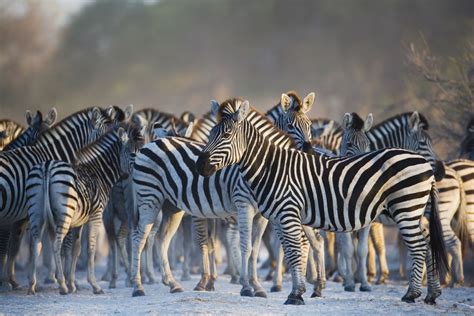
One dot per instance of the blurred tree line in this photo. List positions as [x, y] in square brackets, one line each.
[176, 55]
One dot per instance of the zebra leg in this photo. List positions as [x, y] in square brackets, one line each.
[271, 262]
[18, 231]
[36, 235]
[259, 225]
[402, 250]
[76, 252]
[5, 233]
[187, 226]
[417, 246]
[169, 226]
[234, 256]
[94, 225]
[150, 243]
[57, 244]
[290, 237]
[332, 264]
[201, 228]
[434, 287]
[453, 245]
[317, 246]
[344, 262]
[212, 256]
[371, 265]
[122, 238]
[278, 275]
[362, 249]
[112, 262]
[245, 220]
[148, 214]
[378, 238]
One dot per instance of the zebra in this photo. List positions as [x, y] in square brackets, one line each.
[290, 116]
[467, 144]
[9, 130]
[36, 125]
[465, 169]
[338, 194]
[120, 204]
[59, 142]
[164, 170]
[63, 196]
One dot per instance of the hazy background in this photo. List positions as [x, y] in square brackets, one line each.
[177, 55]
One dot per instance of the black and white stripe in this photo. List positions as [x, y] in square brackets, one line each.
[310, 188]
[63, 196]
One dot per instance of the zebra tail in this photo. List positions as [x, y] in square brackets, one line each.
[48, 213]
[438, 248]
[460, 227]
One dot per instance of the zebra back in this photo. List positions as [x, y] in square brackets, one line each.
[9, 130]
[407, 131]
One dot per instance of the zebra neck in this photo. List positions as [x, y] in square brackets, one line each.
[25, 139]
[391, 133]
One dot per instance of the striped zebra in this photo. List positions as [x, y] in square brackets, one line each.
[164, 171]
[36, 125]
[9, 130]
[63, 196]
[465, 170]
[290, 116]
[338, 194]
[327, 134]
[120, 204]
[59, 142]
[467, 144]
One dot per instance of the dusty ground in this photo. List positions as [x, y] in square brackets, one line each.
[384, 299]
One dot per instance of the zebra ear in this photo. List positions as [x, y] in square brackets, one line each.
[189, 130]
[308, 102]
[285, 102]
[128, 111]
[214, 107]
[347, 121]
[188, 117]
[368, 122]
[414, 121]
[122, 134]
[28, 117]
[51, 117]
[243, 111]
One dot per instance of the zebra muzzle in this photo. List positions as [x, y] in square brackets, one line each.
[203, 167]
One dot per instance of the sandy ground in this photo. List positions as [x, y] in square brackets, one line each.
[384, 299]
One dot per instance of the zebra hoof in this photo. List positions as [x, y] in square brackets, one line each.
[407, 299]
[176, 290]
[234, 280]
[63, 291]
[276, 288]
[199, 288]
[365, 288]
[246, 292]
[210, 288]
[430, 300]
[98, 291]
[260, 293]
[349, 288]
[138, 292]
[294, 300]
[15, 285]
[31, 291]
[316, 293]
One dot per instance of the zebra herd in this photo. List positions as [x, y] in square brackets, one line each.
[145, 174]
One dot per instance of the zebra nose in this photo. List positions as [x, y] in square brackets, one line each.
[202, 165]
[307, 148]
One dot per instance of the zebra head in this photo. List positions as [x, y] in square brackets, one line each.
[419, 141]
[101, 121]
[354, 137]
[294, 121]
[227, 142]
[37, 124]
[131, 143]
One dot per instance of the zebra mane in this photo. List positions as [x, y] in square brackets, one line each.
[229, 107]
[404, 117]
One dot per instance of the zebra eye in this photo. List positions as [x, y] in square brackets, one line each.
[290, 127]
